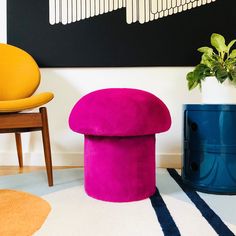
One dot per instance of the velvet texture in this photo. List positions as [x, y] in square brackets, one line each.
[119, 127]
[119, 112]
[120, 169]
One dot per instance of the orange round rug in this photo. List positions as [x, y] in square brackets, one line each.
[21, 213]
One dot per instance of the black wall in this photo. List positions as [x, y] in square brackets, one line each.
[107, 40]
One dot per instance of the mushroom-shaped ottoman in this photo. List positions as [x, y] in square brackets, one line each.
[119, 125]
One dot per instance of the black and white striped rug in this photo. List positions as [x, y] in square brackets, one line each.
[173, 210]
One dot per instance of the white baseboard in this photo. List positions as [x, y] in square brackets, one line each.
[37, 159]
[170, 160]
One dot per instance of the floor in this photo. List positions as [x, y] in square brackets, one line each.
[193, 213]
[13, 170]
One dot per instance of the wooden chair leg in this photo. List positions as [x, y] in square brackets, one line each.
[19, 149]
[46, 145]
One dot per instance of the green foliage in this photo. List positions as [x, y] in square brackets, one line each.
[221, 64]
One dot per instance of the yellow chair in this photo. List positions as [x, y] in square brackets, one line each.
[19, 78]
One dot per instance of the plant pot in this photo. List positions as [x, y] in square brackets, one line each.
[213, 92]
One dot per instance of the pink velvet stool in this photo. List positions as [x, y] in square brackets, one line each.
[119, 126]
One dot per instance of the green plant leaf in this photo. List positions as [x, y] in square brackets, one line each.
[207, 60]
[206, 50]
[218, 41]
[192, 83]
[221, 74]
[232, 74]
[196, 76]
[231, 44]
[233, 54]
[216, 58]
[207, 72]
[200, 72]
[230, 62]
[222, 65]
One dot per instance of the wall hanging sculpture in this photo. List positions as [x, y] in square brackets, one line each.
[68, 11]
[115, 33]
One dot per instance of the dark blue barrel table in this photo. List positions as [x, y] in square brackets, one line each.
[209, 155]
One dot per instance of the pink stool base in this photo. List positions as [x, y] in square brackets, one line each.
[120, 169]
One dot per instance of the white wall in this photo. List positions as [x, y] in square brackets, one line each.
[69, 84]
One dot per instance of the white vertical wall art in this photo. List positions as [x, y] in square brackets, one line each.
[117, 33]
[142, 11]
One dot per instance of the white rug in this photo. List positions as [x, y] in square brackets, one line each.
[172, 212]
[74, 213]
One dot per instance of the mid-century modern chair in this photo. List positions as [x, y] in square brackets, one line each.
[19, 78]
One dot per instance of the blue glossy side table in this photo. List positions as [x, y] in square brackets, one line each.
[209, 150]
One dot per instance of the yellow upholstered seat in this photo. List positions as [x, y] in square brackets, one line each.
[25, 103]
[19, 79]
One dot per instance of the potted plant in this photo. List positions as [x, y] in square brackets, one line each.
[216, 73]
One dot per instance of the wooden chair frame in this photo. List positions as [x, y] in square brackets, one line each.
[27, 122]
